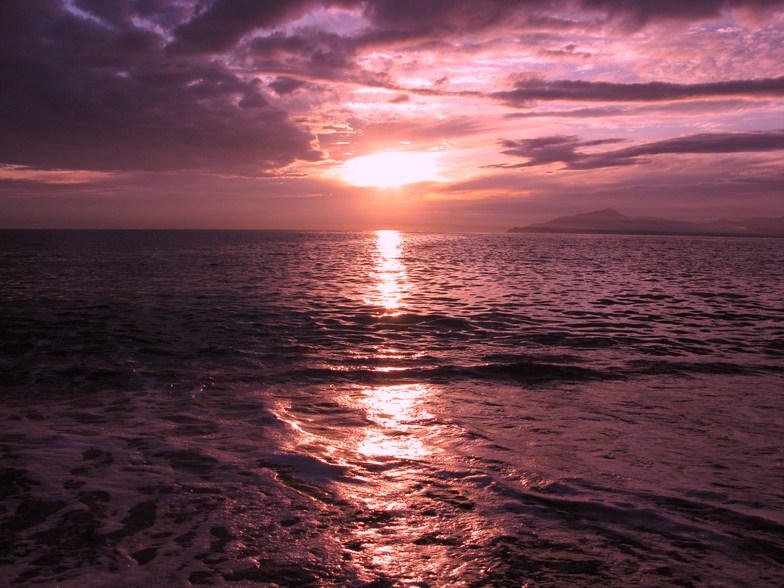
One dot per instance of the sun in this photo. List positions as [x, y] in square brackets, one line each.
[391, 169]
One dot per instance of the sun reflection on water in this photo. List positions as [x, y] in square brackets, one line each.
[399, 413]
[396, 408]
[399, 442]
[390, 271]
[386, 440]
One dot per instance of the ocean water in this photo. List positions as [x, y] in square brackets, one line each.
[387, 409]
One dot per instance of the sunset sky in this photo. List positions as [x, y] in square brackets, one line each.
[476, 114]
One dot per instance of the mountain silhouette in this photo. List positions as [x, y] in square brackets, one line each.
[610, 221]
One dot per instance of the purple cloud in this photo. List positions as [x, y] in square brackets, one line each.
[76, 94]
[172, 85]
[442, 15]
[566, 149]
[700, 143]
[224, 22]
[286, 85]
[635, 14]
[546, 150]
[686, 107]
[533, 89]
[469, 15]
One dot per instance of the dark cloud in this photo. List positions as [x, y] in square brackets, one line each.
[594, 112]
[532, 89]
[79, 94]
[441, 15]
[121, 12]
[219, 26]
[318, 54]
[567, 52]
[449, 16]
[700, 143]
[545, 150]
[686, 107]
[286, 85]
[566, 149]
[635, 14]
[438, 18]
[306, 51]
[314, 55]
[224, 22]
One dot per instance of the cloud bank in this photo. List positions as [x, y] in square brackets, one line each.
[566, 149]
[530, 90]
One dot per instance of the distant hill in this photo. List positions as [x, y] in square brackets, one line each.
[612, 222]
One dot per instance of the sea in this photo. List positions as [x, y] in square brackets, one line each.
[383, 409]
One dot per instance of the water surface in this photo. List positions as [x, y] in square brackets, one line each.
[387, 409]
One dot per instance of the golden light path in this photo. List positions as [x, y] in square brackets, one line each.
[396, 410]
[391, 439]
[391, 169]
[393, 408]
[389, 270]
[399, 441]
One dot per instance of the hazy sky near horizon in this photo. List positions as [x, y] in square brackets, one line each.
[260, 113]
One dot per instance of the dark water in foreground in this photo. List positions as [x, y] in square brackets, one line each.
[362, 409]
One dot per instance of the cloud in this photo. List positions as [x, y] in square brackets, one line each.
[567, 149]
[546, 150]
[533, 89]
[164, 13]
[567, 51]
[221, 24]
[441, 15]
[286, 85]
[310, 52]
[200, 84]
[82, 95]
[596, 112]
[699, 143]
[224, 22]
[635, 14]
[451, 16]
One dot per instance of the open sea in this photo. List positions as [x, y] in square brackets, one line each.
[387, 409]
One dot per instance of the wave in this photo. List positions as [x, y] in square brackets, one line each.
[527, 372]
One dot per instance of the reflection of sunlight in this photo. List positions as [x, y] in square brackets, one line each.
[390, 270]
[399, 413]
[396, 410]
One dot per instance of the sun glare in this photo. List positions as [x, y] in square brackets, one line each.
[390, 169]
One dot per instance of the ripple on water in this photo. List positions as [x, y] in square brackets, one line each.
[357, 409]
